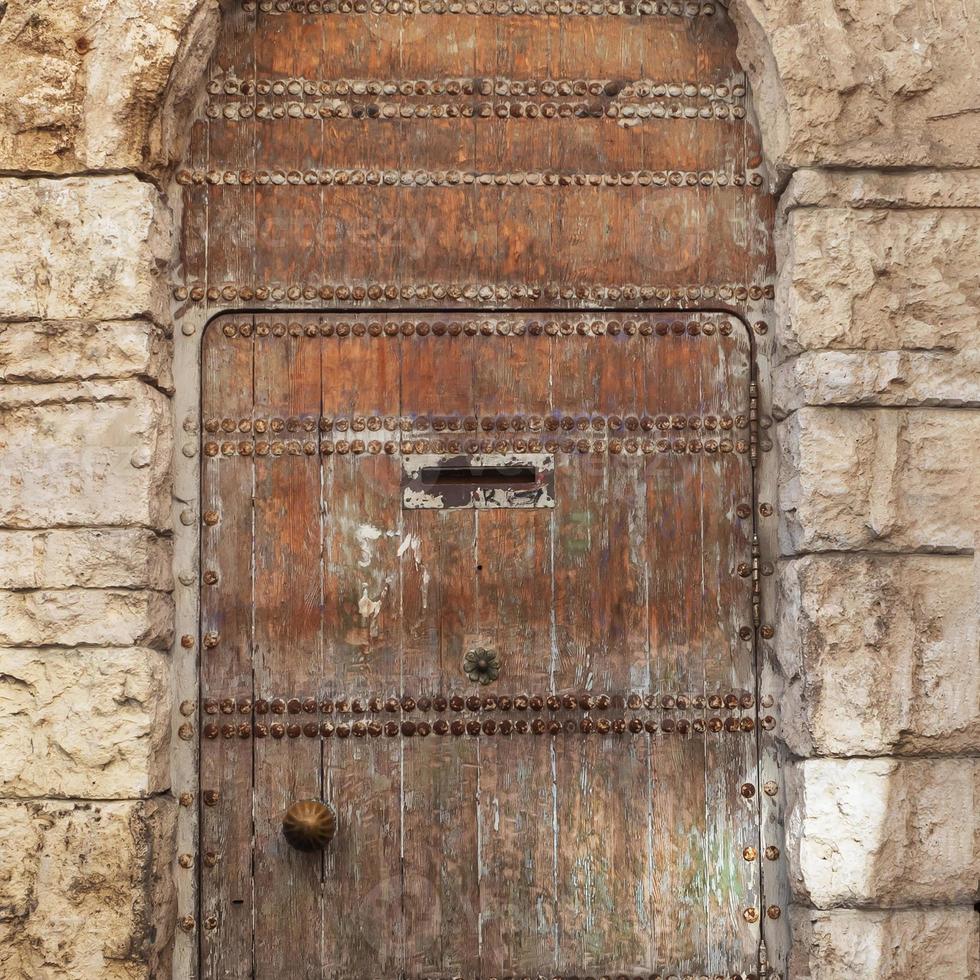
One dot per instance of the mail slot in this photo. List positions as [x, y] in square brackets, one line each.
[484, 481]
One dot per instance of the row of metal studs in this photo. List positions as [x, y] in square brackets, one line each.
[294, 447]
[362, 177]
[483, 328]
[640, 88]
[339, 109]
[538, 726]
[470, 423]
[473, 702]
[475, 292]
[499, 8]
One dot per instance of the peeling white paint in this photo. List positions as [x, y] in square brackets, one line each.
[366, 535]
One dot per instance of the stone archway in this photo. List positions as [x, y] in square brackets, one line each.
[91, 101]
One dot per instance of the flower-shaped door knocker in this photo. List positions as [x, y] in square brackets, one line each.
[481, 665]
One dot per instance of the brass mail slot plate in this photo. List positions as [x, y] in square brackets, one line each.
[485, 481]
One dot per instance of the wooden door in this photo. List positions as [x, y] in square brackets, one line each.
[478, 437]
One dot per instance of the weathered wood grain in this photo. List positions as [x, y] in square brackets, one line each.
[352, 175]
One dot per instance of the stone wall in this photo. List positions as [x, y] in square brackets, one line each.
[870, 113]
[872, 123]
[88, 95]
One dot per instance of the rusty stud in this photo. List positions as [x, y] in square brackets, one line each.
[210, 859]
[473, 703]
[770, 788]
[772, 853]
[767, 632]
[211, 517]
[774, 911]
[744, 569]
[187, 923]
[472, 728]
[185, 799]
[211, 639]
[261, 706]
[751, 915]
[211, 731]
[457, 727]
[766, 510]
[186, 732]
[441, 727]
[745, 632]
[211, 797]
[343, 730]
[750, 853]
[187, 641]
[768, 723]
[392, 728]
[743, 510]
[187, 708]
[408, 704]
[186, 860]
[748, 790]
[293, 706]
[210, 578]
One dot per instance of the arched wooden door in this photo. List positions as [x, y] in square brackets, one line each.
[478, 437]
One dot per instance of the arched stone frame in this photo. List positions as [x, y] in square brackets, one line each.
[190, 326]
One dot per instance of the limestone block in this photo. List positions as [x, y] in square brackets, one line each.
[879, 279]
[88, 453]
[85, 890]
[877, 378]
[93, 617]
[893, 945]
[91, 248]
[87, 724]
[79, 350]
[909, 190]
[879, 654]
[883, 832]
[90, 557]
[876, 83]
[884, 479]
[95, 85]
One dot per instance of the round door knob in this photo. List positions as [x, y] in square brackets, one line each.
[309, 825]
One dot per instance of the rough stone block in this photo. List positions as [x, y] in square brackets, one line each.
[883, 832]
[877, 378]
[93, 248]
[94, 558]
[879, 279]
[893, 945]
[79, 350]
[89, 453]
[885, 479]
[85, 890]
[88, 724]
[94, 86]
[876, 83]
[880, 655]
[90, 617]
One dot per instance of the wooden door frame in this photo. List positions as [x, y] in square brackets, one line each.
[192, 323]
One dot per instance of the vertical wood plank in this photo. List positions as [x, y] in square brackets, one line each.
[225, 861]
[288, 661]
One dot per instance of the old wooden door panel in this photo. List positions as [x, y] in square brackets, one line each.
[583, 813]
[387, 157]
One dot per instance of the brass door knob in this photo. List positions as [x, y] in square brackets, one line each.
[309, 825]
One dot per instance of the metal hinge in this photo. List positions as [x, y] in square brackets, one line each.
[753, 423]
[756, 583]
